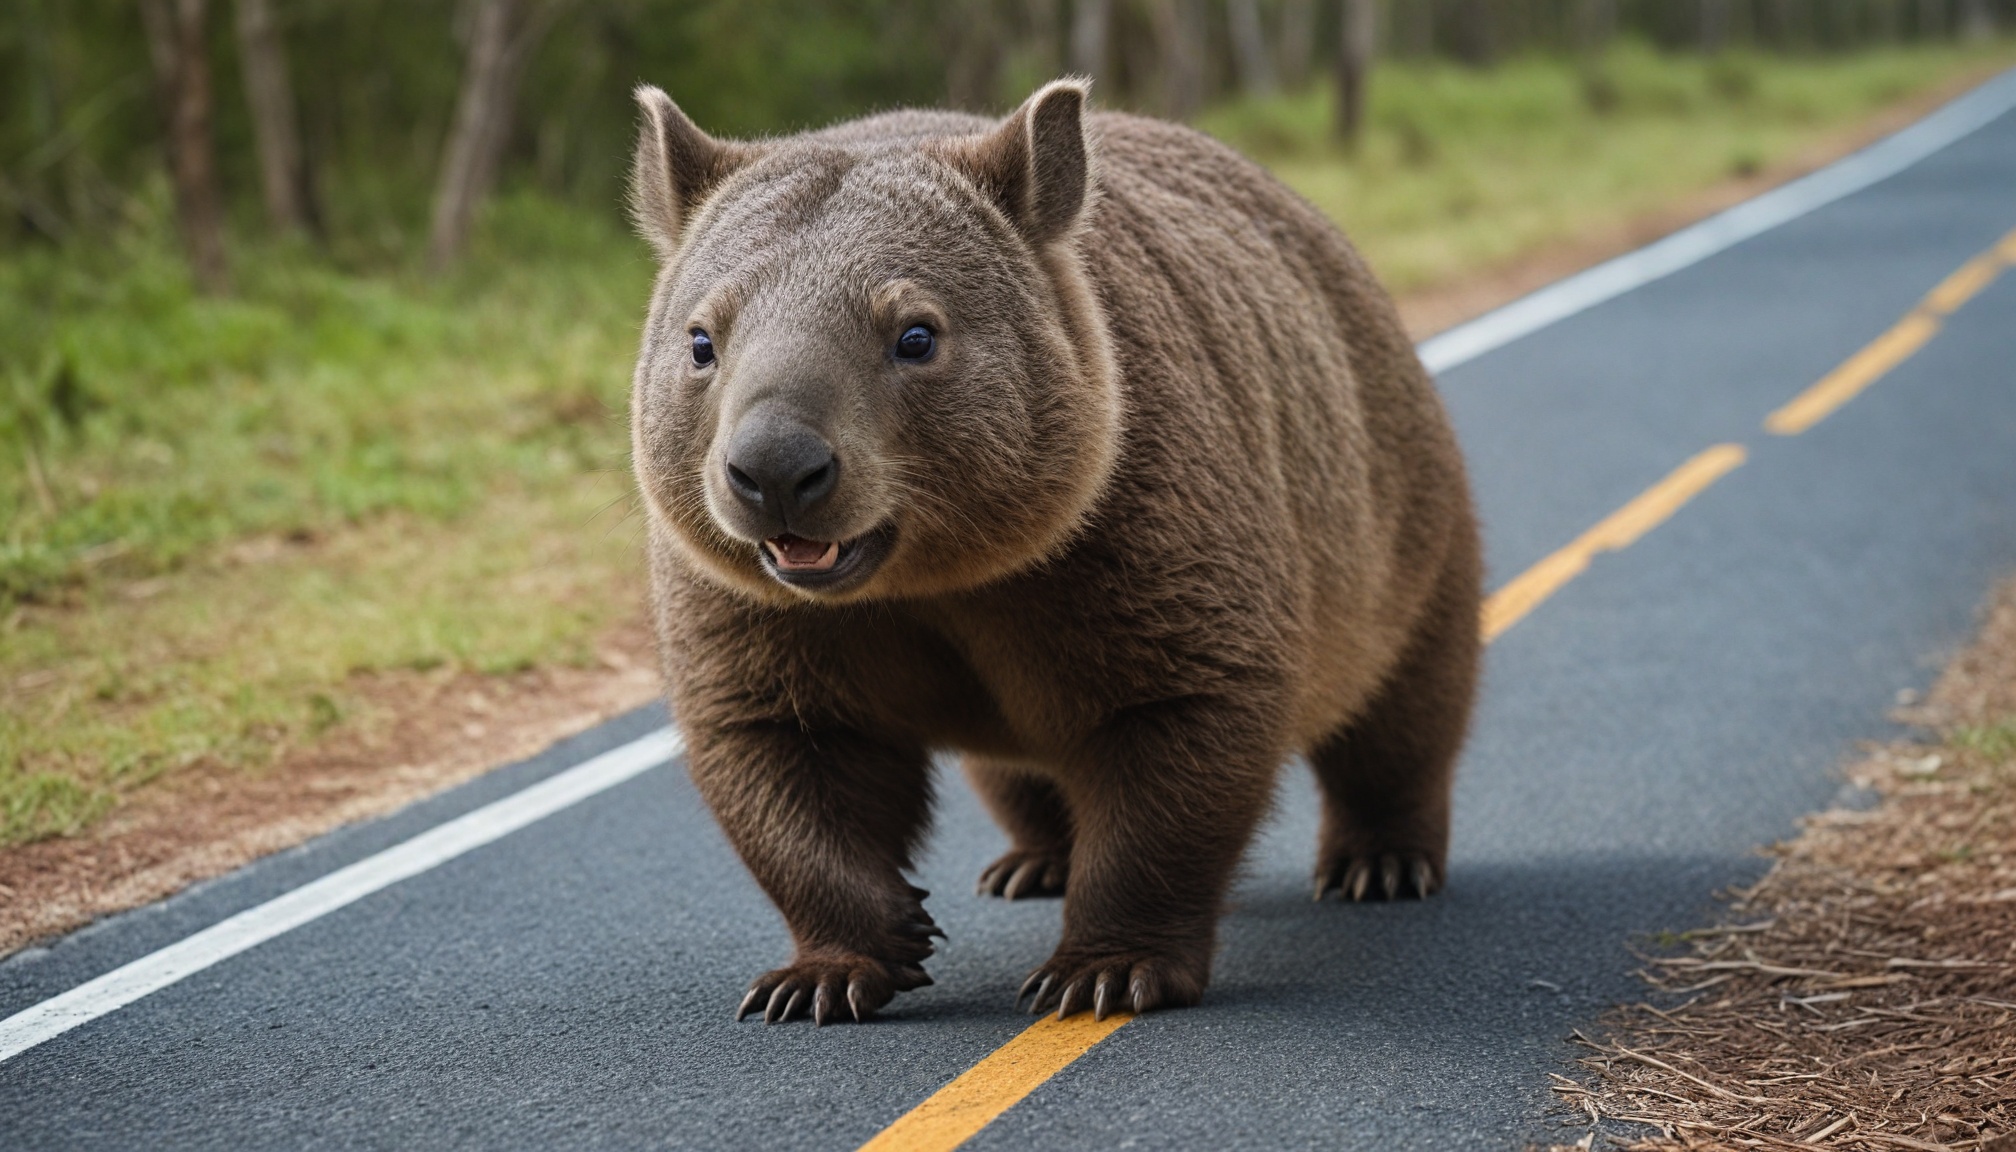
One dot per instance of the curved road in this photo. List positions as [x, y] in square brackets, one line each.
[1646, 724]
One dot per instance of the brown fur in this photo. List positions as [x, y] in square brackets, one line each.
[1174, 502]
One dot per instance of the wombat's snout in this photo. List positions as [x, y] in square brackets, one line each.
[779, 469]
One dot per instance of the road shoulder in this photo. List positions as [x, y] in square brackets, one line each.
[1862, 994]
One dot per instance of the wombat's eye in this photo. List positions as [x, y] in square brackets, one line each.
[703, 348]
[916, 344]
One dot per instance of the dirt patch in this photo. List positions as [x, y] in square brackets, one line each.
[1863, 994]
[1428, 311]
[425, 733]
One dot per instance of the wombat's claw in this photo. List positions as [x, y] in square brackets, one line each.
[1397, 874]
[1039, 974]
[1102, 996]
[1109, 984]
[1423, 875]
[774, 1013]
[817, 988]
[1025, 872]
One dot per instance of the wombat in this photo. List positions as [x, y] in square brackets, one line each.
[1072, 442]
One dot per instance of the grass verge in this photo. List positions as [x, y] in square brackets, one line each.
[1863, 994]
[225, 516]
[1462, 170]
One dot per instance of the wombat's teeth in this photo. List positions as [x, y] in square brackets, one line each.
[797, 554]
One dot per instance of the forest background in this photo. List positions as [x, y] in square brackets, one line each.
[316, 315]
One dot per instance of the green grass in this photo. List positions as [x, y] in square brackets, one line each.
[1460, 169]
[1994, 741]
[146, 424]
[218, 517]
[220, 512]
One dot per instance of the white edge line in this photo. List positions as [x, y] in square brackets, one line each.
[1466, 342]
[1696, 243]
[255, 926]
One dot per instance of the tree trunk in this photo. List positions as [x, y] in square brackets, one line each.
[1931, 22]
[1887, 20]
[1249, 47]
[1414, 28]
[1595, 23]
[1477, 33]
[1792, 24]
[500, 44]
[181, 55]
[1091, 28]
[1179, 40]
[1043, 32]
[283, 166]
[32, 199]
[1714, 26]
[1298, 37]
[1977, 20]
[1358, 29]
[973, 62]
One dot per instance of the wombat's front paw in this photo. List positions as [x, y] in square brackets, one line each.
[1110, 982]
[1026, 872]
[1376, 874]
[832, 986]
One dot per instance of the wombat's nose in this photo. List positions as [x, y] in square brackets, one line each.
[780, 466]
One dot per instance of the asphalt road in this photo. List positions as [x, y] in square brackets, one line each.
[1641, 733]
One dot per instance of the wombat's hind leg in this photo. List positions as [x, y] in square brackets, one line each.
[1386, 777]
[1167, 802]
[1030, 809]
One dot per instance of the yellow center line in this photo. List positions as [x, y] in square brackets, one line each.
[955, 1112]
[963, 1107]
[1856, 373]
[1964, 283]
[1613, 533]
[1895, 346]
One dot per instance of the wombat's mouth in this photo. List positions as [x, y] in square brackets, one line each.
[826, 565]
[797, 554]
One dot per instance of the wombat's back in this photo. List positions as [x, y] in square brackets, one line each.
[1254, 338]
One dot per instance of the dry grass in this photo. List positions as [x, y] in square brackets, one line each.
[1863, 994]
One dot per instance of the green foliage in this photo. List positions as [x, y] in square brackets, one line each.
[219, 514]
[141, 422]
[1462, 168]
[1995, 741]
[37, 805]
[376, 84]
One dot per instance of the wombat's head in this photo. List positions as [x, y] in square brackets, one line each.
[873, 366]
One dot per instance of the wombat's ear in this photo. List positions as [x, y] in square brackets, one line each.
[1037, 165]
[675, 167]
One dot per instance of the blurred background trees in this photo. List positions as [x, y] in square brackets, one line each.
[385, 123]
